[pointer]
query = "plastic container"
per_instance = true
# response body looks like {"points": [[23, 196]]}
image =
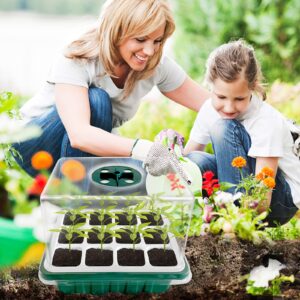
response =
{"points": [[115, 229]]}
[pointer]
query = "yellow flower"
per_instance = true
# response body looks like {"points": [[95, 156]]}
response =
{"points": [[269, 182], [73, 169], [267, 171], [41, 160], [238, 162]]}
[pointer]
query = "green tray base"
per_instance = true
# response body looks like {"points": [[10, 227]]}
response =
{"points": [[113, 282]]}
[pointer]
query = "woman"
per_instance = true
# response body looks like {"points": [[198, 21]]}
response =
{"points": [[98, 83]]}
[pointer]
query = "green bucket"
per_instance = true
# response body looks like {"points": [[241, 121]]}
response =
{"points": [[14, 241]]}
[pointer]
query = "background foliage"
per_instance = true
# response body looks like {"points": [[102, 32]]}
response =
{"points": [[271, 26]]}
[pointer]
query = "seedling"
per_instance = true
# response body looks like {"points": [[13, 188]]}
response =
{"points": [[131, 211], [105, 232], [181, 212], [141, 229], [75, 214], [165, 230], [71, 232], [103, 212]]}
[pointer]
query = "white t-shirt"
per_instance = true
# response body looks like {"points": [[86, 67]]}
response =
{"points": [[270, 137], [167, 77]]}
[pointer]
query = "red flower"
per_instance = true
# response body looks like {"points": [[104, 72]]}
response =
{"points": [[38, 185], [175, 182], [208, 175], [210, 184]]}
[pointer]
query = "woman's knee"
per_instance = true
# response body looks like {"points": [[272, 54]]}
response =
{"points": [[101, 108]]}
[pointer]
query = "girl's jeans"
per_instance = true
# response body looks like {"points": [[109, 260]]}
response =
{"points": [[54, 138], [230, 139]]}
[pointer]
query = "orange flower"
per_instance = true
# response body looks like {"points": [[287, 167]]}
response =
{"points": [[260, 176], [267, 171], [41, 160], [269, 182], [73, 169], [238, 162]]}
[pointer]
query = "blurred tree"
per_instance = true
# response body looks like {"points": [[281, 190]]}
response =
{"points": [[269, 25]]}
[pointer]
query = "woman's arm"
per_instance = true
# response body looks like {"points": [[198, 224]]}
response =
{"points": [[73, 106], [271, 162], [190, 94]]}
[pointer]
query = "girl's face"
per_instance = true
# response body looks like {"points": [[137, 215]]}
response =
{"points": [[136, 52], [231, 99]]}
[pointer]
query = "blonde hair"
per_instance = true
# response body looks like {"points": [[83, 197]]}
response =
{"points": [[232, 60], [120, 20]]}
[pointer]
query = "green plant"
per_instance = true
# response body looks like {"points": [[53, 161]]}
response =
{"points": [[220, 213], [245, 224], [103, 211], [159, 207], [196, 218], [270, 26], [273, 288], [289, 231], [169, 230], [133, 231], [71, 232], [181, 214], [133, 210], [105, 232], [74, 213], [13, 181]]}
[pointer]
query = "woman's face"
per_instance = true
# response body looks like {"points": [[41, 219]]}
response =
{"points": [[137, 51]]}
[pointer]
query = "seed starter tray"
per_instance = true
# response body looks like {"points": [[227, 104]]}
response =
{"points": [[99, 283], [113, 246]]}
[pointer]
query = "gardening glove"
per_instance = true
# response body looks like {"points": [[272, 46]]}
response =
{"points": [[165, 154], [167, 138]]}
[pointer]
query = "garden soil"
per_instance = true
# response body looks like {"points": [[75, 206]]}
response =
{"points": [[217, 264]]}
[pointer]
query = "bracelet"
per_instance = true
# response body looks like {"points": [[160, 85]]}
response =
{"points": [[134, 144]]}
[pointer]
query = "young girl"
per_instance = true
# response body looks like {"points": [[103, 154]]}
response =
{"points": [[238, 123], [96, 86]]}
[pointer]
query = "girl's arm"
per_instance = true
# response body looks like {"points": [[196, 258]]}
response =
{"points": [[192, 146], [190, 94], [73, 106], [271, 162]]}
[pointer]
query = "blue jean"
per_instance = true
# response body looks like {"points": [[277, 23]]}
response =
{"points": [[54, 138], [230, 139]]}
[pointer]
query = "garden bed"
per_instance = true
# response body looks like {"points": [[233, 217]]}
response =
{"points": [[217, 266]]}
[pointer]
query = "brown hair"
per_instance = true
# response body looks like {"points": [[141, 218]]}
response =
{"points": [[232, 60], [120, 20]]}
